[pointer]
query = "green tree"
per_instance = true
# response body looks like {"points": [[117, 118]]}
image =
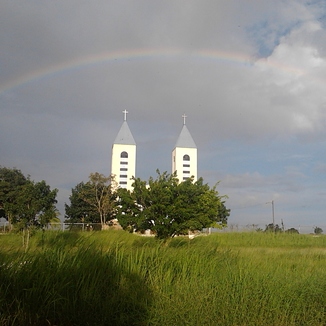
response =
{"points": [[292, 230], [98, 193], [79, 210], [11, 183], [318, 230], [273, 228], [169, 208], [26, 202], [36, 204]]}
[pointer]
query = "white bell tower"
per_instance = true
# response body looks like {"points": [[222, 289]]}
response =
{"points": [[184, 155], [123, 164]]}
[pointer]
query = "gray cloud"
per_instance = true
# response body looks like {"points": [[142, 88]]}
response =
{"points": [[249, 75]]}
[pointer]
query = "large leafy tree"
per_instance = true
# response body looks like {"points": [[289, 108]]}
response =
{"points": [[93, 201], [170, 208], [11, 183], [36, 204], [79, 210], [24, 201]]}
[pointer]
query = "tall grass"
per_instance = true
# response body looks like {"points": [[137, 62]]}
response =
{"points": [[115, 278]]}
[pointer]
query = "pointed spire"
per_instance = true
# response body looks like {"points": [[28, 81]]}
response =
{"points": [[185, 140], [124, 135]]}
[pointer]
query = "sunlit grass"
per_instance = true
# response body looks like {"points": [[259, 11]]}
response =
{"points": [[116, 278]]}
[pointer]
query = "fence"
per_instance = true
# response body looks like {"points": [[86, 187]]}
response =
{"points": [[302, 229]]}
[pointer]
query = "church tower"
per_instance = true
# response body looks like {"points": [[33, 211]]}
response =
{"points": [[123, 165], [184, 155]]}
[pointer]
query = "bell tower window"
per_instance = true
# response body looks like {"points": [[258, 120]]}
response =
{"points": [[186, 167], [124, 155], [123, 169]]}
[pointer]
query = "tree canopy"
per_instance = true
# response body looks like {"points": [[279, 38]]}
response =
{"points": [[318, 230], [169, 208], [25, 201], [93, 201], [79, 210]]}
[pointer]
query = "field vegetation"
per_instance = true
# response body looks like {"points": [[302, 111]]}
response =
{"points": [[117, 278]]}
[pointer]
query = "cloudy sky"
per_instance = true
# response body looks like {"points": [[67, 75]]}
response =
{"points": [[249, 74]]}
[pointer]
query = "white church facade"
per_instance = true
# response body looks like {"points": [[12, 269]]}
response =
{"points": [[123, 161]]}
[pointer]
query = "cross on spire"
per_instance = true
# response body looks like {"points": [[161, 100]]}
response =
{"points": [[125, 115], [184, 118]]}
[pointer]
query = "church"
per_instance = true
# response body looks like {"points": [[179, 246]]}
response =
{"points": [[123, 163]]}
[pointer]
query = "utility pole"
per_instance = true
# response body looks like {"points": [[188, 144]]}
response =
{"points": [[272, 202]]}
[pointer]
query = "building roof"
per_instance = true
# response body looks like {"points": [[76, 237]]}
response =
{"points": [[185, 140], [124, 135]]}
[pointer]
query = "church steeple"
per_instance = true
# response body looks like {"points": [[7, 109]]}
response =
{"points": [[185, 139], [184, 155], [123, 165], [124, 135]]}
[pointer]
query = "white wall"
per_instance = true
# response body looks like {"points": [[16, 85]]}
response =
{"points": [[177, 162]]}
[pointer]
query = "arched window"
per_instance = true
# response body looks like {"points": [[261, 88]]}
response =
{"points": [[124, 155], [186, 157]]}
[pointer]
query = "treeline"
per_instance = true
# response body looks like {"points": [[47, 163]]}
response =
{"points": [[279, 229], [163, 205]]}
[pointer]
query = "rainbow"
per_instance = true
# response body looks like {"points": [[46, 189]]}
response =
{"points": [[138, 54]]}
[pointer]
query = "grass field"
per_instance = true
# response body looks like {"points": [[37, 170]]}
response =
{"points": [[116, 278]]}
